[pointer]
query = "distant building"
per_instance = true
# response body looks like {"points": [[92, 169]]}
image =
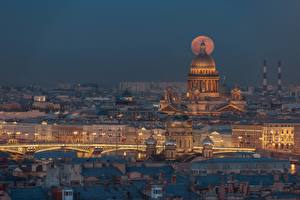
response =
{"points": [[239, 165], [45, 106], [152, 87], [297, 139], [39, 98], [268, 136], [247, 136], [278, 136]]}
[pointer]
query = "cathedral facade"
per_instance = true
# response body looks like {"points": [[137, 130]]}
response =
{"points": [[203, 96]]}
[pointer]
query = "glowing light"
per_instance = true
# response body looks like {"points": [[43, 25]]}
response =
{"points": [[293, 169], [207, 41]]}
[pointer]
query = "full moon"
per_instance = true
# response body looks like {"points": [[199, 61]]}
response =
{"points": [[207, 41]]}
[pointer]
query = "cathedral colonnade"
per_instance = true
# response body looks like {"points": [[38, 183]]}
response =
{"points": [[204, 85]]}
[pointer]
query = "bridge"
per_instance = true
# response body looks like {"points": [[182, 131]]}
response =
{"points": [[88, 149]]}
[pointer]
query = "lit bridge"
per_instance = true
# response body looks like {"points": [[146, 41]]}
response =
{"points": [[90, 149]]}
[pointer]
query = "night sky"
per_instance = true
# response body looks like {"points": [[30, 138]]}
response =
{"points": [[48, 42]]}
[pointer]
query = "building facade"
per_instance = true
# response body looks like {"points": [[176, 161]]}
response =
{"points": [[179, 129], [297, 139], [268, 136], [247, 136], [278, 136]]}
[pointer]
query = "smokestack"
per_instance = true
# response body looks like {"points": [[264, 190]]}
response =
{"points": [[279, 87], [265, 82]]}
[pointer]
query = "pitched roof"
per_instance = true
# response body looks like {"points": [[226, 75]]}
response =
{"points": [[107, 172], [34, 193]]}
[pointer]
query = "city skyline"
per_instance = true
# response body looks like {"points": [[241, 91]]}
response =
{"points": [[161, 100], [59, 42]]}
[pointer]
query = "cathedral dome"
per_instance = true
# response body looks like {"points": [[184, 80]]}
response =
{"points": [[170, 143], [203, 60], [207, 141], [150, 141]]}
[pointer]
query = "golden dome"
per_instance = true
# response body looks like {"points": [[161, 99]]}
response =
{"points": [[203, 60]]}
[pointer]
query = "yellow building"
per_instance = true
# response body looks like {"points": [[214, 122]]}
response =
{"points": [[269, 136], [278, 136]]}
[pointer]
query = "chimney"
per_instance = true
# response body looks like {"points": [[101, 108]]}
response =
{"points": [[265, 82], [279, 87], [174, 178]]}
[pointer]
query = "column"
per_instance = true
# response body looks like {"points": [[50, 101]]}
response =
{"points": [[215, 86], [200, 86]]}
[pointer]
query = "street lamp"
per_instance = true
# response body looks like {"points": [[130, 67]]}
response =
{"points": [[35, 136], [74, 138], [83, 136], [138, 140], [117, 135]]}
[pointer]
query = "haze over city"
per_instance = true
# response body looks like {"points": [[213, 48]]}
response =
{"points": [[49, 42]]}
